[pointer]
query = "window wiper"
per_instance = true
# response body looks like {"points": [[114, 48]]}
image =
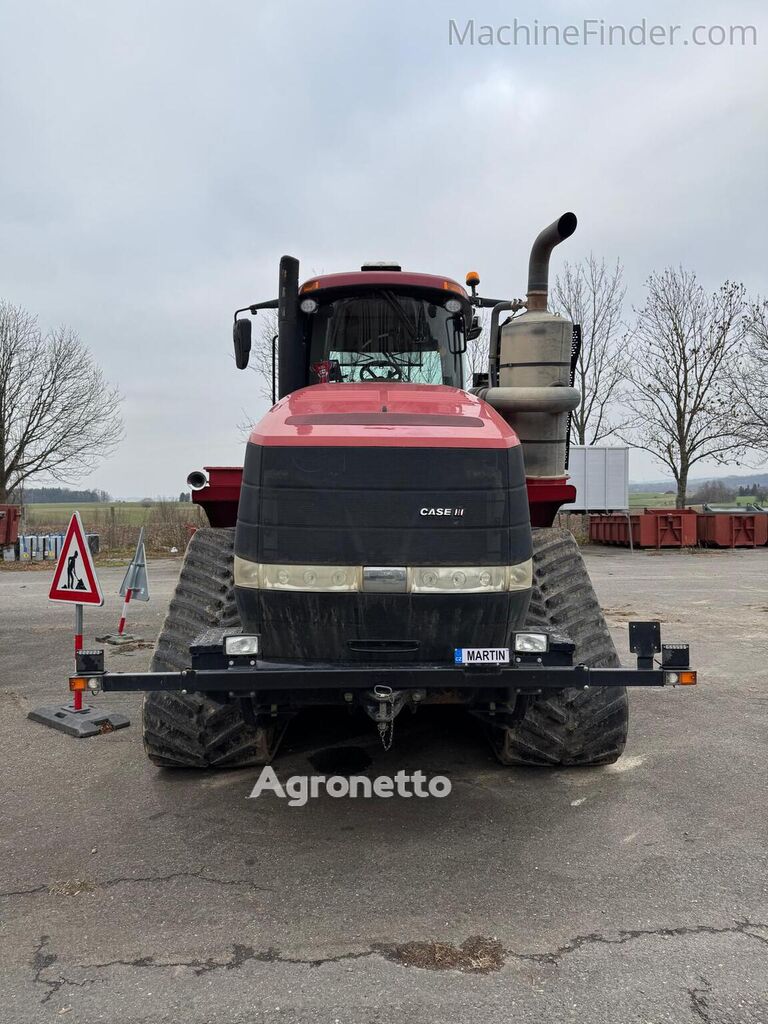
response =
{"points": [[392, 302]]}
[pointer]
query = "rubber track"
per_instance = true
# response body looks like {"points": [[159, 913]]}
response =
{"points": [[568, 727], [191, 730]]}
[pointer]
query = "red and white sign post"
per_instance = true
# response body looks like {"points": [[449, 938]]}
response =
{"points": [[75, 582], [124, 616]]}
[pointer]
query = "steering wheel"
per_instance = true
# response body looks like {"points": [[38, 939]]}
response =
{"points": [[393, 372]]}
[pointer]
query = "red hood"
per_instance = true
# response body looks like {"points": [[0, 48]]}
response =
{"points": [[383, 415]]}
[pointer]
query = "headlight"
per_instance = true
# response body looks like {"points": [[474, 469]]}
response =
{"points": [[323, 578], [234, 645], [463, 579], [246, 573], [521, 576], [427, 579], [531, 643]]}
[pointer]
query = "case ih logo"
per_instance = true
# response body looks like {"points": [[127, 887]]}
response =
{"points": [[442, 512]]}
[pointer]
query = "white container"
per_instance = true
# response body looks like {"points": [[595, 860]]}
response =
{"points": [[601, 478]]}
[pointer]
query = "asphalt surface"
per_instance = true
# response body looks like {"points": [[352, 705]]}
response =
{"points": [[634, 893]]}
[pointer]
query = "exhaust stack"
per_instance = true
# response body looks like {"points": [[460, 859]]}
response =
{"points": [[538, 263], [533, 375]]}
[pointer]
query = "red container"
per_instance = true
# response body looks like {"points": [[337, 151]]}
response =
{"points": [[9, 525], [653, 528], [733, 529]]}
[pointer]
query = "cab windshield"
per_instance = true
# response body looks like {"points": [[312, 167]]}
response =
{"points": [[384, 335]]}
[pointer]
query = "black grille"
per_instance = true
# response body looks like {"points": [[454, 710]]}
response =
{"points": [[363, 506]]}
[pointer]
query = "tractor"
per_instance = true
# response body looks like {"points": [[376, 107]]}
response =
{"points": [[389, 541]]}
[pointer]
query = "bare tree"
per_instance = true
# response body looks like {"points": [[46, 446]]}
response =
{"points": [[592, 294], [476, 359], [684, 349], [260, 363], [750, 382], [261, 353], [712, 492], [58, 416]]}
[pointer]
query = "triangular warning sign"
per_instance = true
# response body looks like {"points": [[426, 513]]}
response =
{"points": [[135, 578], [75, 577]]}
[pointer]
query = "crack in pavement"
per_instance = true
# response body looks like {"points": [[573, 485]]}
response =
{"points": [[108, 883], [41, 961], [411, 954], [627, 935], [699, 1002], [241, 955], [24, 892]]}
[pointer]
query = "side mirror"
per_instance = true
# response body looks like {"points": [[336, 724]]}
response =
{"points": [[475, 330], [241, 335]]}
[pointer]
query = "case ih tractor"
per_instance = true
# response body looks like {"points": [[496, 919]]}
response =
{"points": [[388, 542]]}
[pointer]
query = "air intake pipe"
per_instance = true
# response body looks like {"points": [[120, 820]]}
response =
{"points": [[534, 392]]}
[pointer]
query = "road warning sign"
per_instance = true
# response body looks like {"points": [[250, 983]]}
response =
{"points": [[135, 580], [75, 579]]}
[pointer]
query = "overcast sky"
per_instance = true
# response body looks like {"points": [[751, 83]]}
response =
{"points": [[159, 157]]}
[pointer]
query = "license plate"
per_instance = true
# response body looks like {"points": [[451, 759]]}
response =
{"points": [[481, 655]]}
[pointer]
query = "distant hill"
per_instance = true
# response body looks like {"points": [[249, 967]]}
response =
{"points": [[733, 482]]}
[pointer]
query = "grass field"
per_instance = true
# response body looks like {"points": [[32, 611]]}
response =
{"points": [[659, 499], [129, 513], [117, 523], [651, 499]]}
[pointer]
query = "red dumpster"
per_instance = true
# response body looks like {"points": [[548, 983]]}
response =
{"points": [[733, 529], [9, 525], [653, 528]]}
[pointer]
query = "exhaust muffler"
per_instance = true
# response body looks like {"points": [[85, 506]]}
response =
{"points": [[533, 367]]}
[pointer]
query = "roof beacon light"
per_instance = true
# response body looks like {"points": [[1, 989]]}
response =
{"points": [[381, 265]]}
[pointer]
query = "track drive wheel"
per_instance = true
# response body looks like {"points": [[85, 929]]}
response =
{"points": [[573, 727], [192, 730]]}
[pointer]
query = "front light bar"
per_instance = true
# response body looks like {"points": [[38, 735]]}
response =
{"points": [[270, 681], [427, 579]]}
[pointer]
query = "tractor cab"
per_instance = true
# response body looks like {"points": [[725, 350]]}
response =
{"points": [[378, 324], [383, 325]]}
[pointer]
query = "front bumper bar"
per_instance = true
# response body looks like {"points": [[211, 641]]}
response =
{"points": [[214, 672]]}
